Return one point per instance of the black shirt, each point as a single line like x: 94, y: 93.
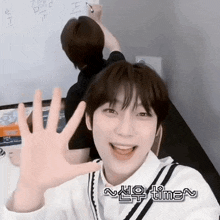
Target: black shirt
x: 83, y: 137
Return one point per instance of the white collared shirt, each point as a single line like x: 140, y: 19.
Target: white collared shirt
x: 83, y: 197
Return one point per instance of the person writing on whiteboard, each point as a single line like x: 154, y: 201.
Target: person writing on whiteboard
x: 83, y: 41
x: 125, y: 105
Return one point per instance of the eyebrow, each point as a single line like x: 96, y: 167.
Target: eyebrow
x: 122, y: 102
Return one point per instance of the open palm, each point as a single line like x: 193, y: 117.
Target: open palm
x: 43, y: 164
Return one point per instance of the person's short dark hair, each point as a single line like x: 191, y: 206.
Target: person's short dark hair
x: 82, y: 40
x: 148, y: 85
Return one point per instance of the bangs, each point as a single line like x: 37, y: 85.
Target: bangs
x: 127, y: 80
x: 130, y: 92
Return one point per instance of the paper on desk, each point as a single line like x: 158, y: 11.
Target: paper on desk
x: 10, y: 116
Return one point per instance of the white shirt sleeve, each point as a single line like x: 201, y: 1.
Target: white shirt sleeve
x: 203, y: 206
x: 45, y: 213
x: 57, y: 207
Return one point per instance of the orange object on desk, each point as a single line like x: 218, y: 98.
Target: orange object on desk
x: 9, y: 130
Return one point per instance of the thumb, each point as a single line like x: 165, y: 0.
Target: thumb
x: 84, y: 168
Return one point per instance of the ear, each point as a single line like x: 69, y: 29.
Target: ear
x: 158, y: 130
x: 88, y: 124
x: 157, y: 141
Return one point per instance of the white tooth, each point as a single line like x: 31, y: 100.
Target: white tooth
x: 123, y: 147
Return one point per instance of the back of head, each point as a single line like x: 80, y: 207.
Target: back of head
x: 146, y: 83
x: 83, y: 41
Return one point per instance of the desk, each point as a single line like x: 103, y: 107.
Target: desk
x: 9, y: 175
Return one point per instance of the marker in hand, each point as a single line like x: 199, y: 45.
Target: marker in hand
x: 90, y: 7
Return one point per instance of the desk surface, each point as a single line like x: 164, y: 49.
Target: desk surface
x: 9, y: 175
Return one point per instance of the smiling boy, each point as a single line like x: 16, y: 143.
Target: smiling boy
x: 123, y: 128
x: 126, y: 103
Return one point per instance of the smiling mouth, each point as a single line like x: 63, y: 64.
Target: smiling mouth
x: 123, y: 152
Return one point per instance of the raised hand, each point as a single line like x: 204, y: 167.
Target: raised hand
x: 97, y: 13
x: 43, y: 164
x: 110, y: 40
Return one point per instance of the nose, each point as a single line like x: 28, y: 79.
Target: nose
x: 125, y: 126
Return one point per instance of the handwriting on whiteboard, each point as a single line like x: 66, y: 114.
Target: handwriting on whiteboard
x: 42, y: 7
x: 75, y: 6
x: 9, y: 18
x: 15, y: 14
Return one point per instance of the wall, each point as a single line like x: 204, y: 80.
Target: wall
x: 186, y: 34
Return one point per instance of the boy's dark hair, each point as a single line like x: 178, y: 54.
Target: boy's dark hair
x: 82, y: 40
x: 148, y: 85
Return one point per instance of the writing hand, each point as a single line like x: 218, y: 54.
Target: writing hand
x: 97, y: 13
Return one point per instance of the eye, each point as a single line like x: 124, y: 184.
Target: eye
x: 143, y: 114
x: 110, y: 112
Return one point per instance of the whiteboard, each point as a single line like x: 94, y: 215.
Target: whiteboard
x: 31, y: 56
